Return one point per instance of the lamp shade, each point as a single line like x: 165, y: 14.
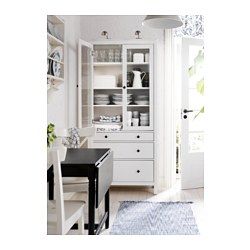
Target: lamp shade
x: 162, y: 21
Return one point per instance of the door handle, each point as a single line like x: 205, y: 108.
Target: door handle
x: 187, y: 111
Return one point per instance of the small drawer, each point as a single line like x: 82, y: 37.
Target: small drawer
x: 133, y: 171
x: 140, y: 136
x: 132, y: 150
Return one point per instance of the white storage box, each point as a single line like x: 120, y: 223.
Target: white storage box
x: 104, y: 81
x: 138, y: 57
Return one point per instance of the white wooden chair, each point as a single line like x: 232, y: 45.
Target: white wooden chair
x: 62, y: 215
x: 78, y: 184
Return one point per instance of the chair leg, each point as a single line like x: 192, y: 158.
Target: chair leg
x: 81, y: 224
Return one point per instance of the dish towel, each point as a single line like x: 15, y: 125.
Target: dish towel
x: 73, y: 141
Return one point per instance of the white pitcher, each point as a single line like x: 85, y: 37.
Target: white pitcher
x: 137, y: 82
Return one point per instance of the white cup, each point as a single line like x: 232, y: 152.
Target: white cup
x: 135, y: 114
x: 135, y: 122
x: 129, y: 115
x: 129, y: 122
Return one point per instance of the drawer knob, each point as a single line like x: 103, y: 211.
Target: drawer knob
x: 138, y: 171
x: 138, y: 136
x: 138, y: 150
x: 106, y: 136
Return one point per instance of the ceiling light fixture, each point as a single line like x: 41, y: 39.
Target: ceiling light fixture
x: 162, y: 21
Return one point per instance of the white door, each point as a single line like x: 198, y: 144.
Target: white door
x: 85, y: 80
x: 192, y: 114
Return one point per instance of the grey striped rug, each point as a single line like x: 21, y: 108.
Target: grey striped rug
x: 154, y: 218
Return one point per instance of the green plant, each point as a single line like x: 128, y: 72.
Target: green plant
x: 51, y: 136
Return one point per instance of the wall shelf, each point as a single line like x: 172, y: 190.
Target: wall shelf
x: 54, y: 41
x: 55, y: 78
x: 53, y: 81
x: 55, y: 60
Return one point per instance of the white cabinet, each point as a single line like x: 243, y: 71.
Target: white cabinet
x: 136, y: 136
x: 133, y: 171
x: 123, y: 91
x: 129, y: 150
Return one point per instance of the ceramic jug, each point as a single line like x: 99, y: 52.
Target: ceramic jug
x: 137, y: 82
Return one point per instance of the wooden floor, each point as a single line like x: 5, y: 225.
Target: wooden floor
x: 118, y: 194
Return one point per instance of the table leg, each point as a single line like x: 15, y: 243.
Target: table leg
x: 51, y: 188
x: 91, y: 225
x: 107, y: 209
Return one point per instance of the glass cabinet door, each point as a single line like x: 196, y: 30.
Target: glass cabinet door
x: 138, y: 87
x: 85, y: 77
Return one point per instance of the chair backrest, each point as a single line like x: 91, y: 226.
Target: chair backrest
x: 58, y: 191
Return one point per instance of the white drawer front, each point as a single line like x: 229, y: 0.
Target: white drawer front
x: 140, y: 136
x: 133, y: 171
x: 128, y: 150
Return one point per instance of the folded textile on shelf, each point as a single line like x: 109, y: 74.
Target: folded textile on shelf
x: 108, y: 127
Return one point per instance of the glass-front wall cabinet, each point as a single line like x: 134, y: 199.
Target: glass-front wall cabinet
x: 123, y: 86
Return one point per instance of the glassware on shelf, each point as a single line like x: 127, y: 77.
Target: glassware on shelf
x: 130, y: 56
x: 102, y: 55
x: 96, y: 55
x: 117, y: 55
x: 110, y: 55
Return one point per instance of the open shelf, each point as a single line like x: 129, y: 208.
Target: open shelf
x: 55, y: 19
x: 55, y: 78
x: 54, y: 41
x: 55, y: 60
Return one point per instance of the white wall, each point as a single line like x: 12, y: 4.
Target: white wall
x: 62, y: 109
x: 118, y: 27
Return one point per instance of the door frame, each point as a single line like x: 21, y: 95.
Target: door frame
x: 184, y: 147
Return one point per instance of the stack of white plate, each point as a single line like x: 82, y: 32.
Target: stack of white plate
x: 117, y: 98
x: 101, y: 99
x: 144, y: 119
x: 129, y: 98
x: 142, y: 100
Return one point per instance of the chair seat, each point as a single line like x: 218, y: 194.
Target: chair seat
x: 74, y: 180
x: 73, y: 210
x: 77, y: 184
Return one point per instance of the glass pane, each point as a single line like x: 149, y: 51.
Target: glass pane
x: 196, y: 99
x: 108, y: 53
x: 86, y: 87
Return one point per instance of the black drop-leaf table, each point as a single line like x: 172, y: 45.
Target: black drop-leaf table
x: 97, y: 165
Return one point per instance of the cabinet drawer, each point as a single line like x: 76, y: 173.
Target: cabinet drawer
x: 133, y: 171
x: 140, y: 136
x: 132, y: 150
